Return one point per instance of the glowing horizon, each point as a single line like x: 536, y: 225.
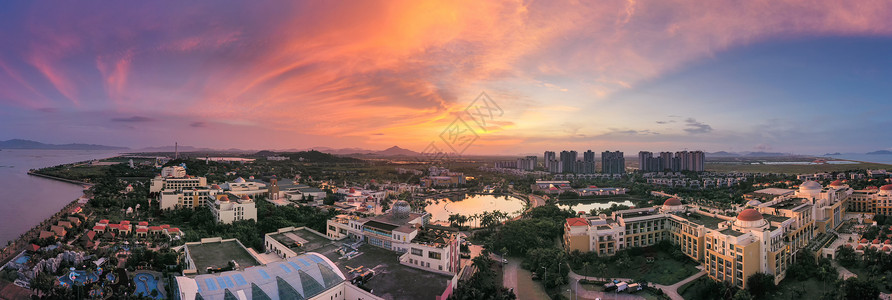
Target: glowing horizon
x: 780, y: 76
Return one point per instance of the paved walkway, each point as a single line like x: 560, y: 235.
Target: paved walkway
x: 521, y: 281
x: 843, y: 272
x: 582, y: 293
x: 672, y: 290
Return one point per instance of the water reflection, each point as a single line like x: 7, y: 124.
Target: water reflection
x: 468, y: 205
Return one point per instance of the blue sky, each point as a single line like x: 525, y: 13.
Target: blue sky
x: 781, y: 76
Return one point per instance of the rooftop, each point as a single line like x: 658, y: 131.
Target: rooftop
x: 299, y: 277
x: 393, y: 280
x: 301, y: 240
x: 707, y: 221
x: 731, y: 232
x: 788, y: 204
x: 218, y: 254
x: 774, y: 218
x: 434, y: 235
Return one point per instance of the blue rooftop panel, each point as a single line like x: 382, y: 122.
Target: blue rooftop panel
x: 294, y: 265
x: 221, y: 282
x: 284, y: 267
x: 228, y: 281
x: 239, y: 279
x: 210, y: 283
x: 316, y: 258
x: 303, y: 262
x: 263, y: 274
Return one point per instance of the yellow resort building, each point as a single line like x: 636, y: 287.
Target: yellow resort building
x: 761, y: 237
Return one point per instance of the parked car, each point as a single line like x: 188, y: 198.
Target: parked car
x: 634, y: 288
x: 622, y: 286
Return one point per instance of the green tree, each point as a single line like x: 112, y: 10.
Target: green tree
x: 760, y: 285
x: 742, y: 295
x: 860, y: 288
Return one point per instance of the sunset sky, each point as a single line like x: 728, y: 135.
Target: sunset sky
x: 780, y: 76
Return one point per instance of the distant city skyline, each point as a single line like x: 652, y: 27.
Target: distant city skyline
x: 781, y: 76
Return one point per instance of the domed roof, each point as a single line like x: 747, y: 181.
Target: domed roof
x: 672, y: 202
x: 215, y: 187
x: 836, y: 183
x: 887, y: 187
x: 239, y: 180
x: 810, y: 185
x: 860, y: 247
x: 871, y: 187
x: 224, y: 198
x: 749, y: 214
x: 876, y: 241
x: 754, y: 203
x: 864, y: 240
x: 245, y: 197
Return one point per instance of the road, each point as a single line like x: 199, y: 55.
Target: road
x: 591, y: 295
x: 521, y: 281
x: 672, y: 290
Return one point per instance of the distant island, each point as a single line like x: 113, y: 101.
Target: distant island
x: 880, y: 152
x: 27, y: 144
x: 830, y: 154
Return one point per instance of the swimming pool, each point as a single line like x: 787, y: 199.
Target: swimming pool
x: 78, y: 278
x: 22, y: 259
x: 145, y: 284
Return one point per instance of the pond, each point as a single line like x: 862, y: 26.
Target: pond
x: 467, y: 205
x: 588, y: 205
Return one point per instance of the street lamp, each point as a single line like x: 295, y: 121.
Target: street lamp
x: 577, y: 288
x: 545, y: 278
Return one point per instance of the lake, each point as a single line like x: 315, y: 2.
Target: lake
x: 473, y: 204
x: 27, y: 200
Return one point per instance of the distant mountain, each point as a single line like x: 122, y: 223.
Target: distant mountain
x: 768, y: 154
x: 396, y: 151
x: 880, y: 152
x: 27, y: 144
x: 722, y: 154
x: 172, y: 149
x: 392, y: 151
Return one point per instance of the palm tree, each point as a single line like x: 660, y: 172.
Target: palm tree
x: 585, y: 266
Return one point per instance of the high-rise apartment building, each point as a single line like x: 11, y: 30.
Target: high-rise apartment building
x: 589, y: 155
x: 681, y: 161
x: 568, y: 160
x: 613, y: 162
x: 549, y: 157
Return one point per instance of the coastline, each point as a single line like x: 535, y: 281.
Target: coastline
x: 14, y: 247
x: 32, y: 173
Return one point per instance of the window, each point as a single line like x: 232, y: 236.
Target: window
x: 434, y: 255
x: 417, y: 252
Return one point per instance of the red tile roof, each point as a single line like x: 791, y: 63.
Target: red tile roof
x: 91, y: 235
x: 142, y: 230
x: 576, y: 222
x: 103, y: 221
x: 155, y: 228
x: 143, y: 223
x: 97, y: 227
x: 173, y: 230
x: 125, y: 222
x: 33, y: 247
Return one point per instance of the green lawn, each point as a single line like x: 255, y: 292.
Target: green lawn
x: 692, y: 289
x: 792, y: 289
x: 663, y: 270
